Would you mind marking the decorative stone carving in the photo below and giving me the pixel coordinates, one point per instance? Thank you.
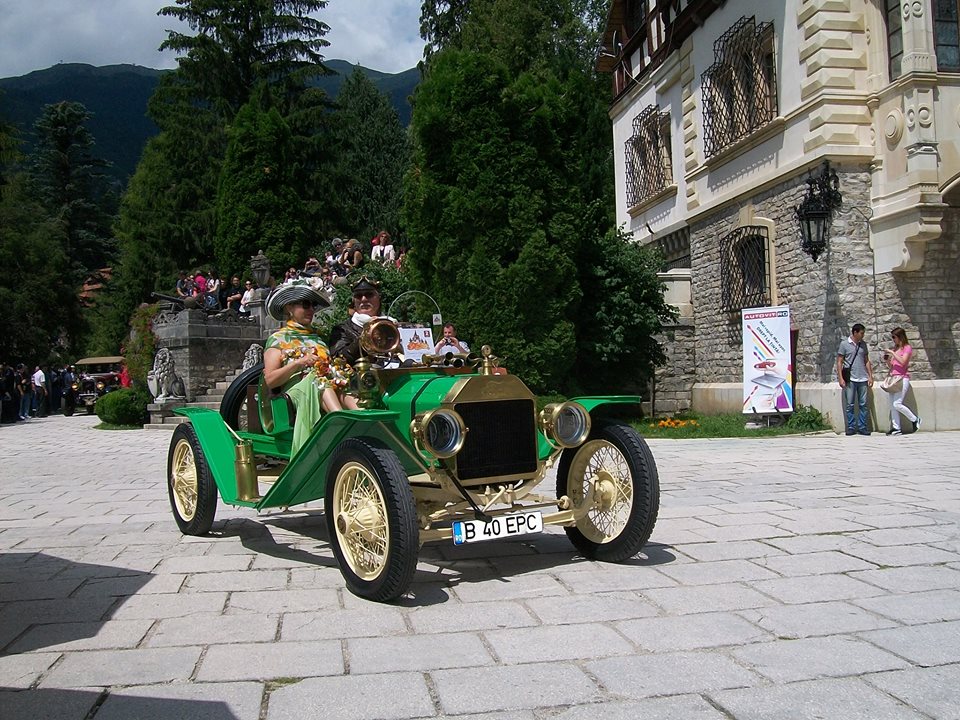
(893, 127)
(253, 356)
(164, 382)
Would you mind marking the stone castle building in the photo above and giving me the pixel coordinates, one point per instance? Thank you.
(721, 111)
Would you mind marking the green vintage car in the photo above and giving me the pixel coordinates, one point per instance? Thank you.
(449, 451)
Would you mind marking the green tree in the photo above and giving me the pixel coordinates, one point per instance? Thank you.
(72, 188)
(38, 305)
(372, 155)
(509, 202)
(258, 205)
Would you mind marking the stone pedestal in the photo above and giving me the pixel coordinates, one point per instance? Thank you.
(205, 348)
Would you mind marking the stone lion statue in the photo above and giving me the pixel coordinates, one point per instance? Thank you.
(163, 380)
(253, 356)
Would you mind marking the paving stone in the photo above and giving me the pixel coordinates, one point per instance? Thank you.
(814, 700)
(707, 598)
(826, 618)
(900, 536)
(110, 634)
(742, 532)
(838, 656)
(380, 620)
(416, 652)
(595, 607)
(906, 555)
(48, 704)
(509, 588)
(204, 564)
(130, 585)
(194, 701)
(283, 601)
(214, 629)
(817, 563)
(536, 685)
(933, 644)
(644, 676)
(915, 579)
(687, 707)
(453, 617)
(266, 661)
(609, 579)
(915, 608)
(245, 580)
(818, 588)
(169, 605)
(545, 644)
(691, 632)
(43, 590)
(396, 696)
(741, 550)
(99, 668)
(21, 671)
(720, 571)
(934, 691)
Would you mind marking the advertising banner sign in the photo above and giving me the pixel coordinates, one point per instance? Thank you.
(415, 342)
(767, 373)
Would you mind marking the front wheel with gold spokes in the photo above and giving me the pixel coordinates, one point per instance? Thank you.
(612, 479)
(371, 520)
(191, 487)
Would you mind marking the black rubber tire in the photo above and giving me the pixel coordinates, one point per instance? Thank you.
(206, 508)
(645, 485)
(403, 535)
(66, 408)
(235, 395)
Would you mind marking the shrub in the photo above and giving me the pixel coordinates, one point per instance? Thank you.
(806, 419)
(123, 407)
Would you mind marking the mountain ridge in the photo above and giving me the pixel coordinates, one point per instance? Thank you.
(117, 95)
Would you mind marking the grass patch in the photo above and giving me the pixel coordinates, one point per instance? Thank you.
(806, 419)
(111, 426)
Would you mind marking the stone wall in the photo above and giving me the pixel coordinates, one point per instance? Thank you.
(205, 348)
(827, 296)
(673, 381)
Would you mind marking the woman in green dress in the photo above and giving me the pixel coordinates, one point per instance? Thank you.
(297, 361)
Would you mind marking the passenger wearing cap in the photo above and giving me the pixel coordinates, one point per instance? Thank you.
(345, 337)
(291, 356)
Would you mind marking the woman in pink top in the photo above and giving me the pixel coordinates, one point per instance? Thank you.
(898, 360)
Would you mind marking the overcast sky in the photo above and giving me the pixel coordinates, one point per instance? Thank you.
(35, 34)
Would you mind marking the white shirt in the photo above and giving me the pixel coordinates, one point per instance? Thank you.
(388, 254)
(247, 297)
(39, 378)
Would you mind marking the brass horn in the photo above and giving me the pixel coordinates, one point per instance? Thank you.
(380, 336)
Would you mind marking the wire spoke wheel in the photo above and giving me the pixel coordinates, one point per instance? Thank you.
(361, 521)
(612, 482)
(190, 484)
(184, 480)
(371, 519)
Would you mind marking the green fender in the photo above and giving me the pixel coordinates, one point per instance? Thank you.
(305, 477)
(590, 403)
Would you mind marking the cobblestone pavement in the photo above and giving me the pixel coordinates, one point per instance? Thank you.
(804, 577)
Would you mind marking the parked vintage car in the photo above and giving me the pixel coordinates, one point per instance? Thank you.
(95, 376)
(437, 453)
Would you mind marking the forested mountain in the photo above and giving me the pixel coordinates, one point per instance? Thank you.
(116, 96)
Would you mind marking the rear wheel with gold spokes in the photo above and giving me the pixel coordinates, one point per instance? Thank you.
(614, 472)
(372, 520)
(192, 490)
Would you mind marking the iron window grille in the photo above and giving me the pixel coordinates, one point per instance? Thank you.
(740, 88)
(745, 269)
(649, 161)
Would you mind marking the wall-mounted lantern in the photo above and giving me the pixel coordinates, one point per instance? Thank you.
(815, 213)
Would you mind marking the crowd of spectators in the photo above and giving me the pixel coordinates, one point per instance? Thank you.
(27, 394)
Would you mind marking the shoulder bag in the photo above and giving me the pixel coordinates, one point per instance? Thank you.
(845, 370)
(892, 383)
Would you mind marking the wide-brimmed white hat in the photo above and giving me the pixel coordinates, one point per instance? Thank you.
(290, 292)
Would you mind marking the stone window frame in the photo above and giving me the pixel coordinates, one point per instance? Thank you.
(746, 268)
(740, 88)
(649, 156)
(946, 34)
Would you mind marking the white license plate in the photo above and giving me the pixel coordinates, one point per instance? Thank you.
(467, 531)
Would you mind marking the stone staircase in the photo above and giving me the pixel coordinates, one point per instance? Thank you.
(161, 417)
